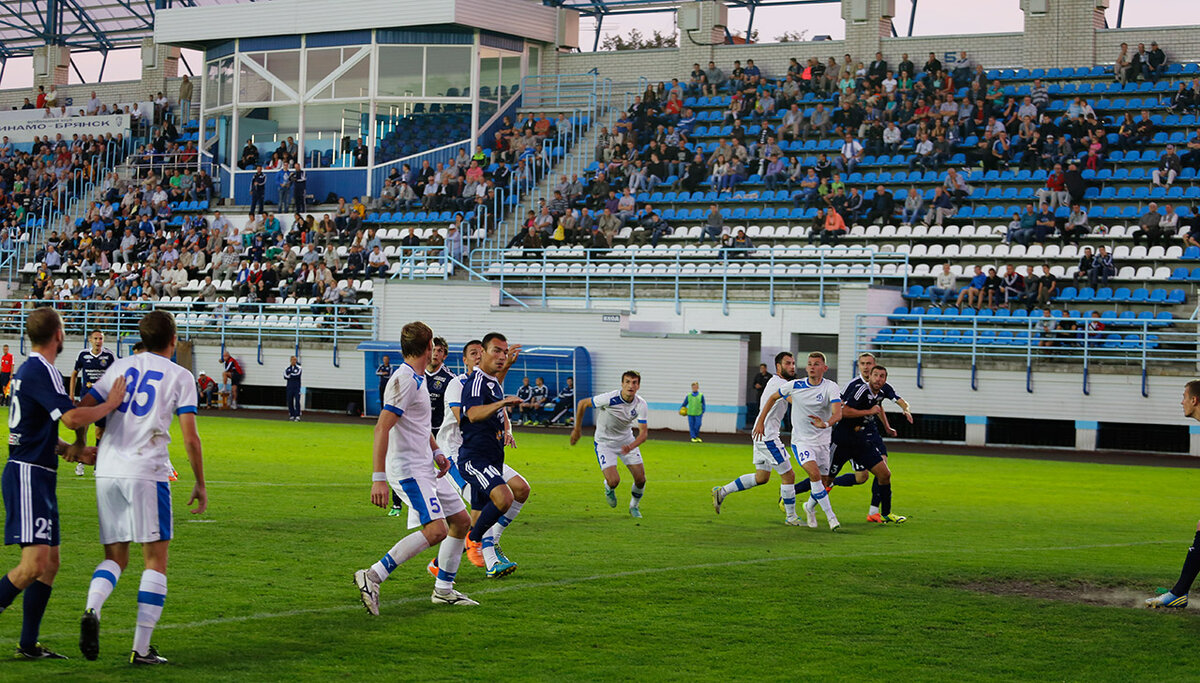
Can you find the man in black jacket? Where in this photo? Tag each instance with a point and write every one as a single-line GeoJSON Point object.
{"type": "Point", "coordinates": [883, 205]}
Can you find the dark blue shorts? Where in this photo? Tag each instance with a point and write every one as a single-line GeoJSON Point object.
{"type": "Point", "coordinates": [30, 504]}
{"type": "Point", "coordinates": [483, 476]}
{"type": "Point", "coordinates": [863, 450]}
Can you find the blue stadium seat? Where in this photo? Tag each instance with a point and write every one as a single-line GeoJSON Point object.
{"type": "Point", "coordinates": [1176, 296]}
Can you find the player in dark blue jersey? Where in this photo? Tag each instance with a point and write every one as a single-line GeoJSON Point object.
{"type": "Point", "coordinates": [39, 402]}
{"type": "Point", "coordinates": [90, 365]}
{"type": "Point", "coordinates": [484, 423]}
{"type": "Point", "coordinates": [858, 441]}
{"type": "Point", "coordinates": [293, 375]}
{"type": "Point", "coordinates": [437, 378]}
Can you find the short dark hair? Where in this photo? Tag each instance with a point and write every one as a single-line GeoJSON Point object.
{"type": "Point", "coordinates": [879, 367]}
{"type": "Point", "coordinates": [491, 337]}
{"type": "Point", "coordinates": [95, 330]}
{"type": "Point", "coordinates": [157, 329]}
{"type": "Point", "coordinates": [780, 356]}
{"type": "Point", "coordinates": [440, 342]}
{"type": "Point", "coordinates": [1193, 388]}
{"type": "Point", "coordinates": [473, 342]}
{"type": "Point", "coordinates": [632, 373]}
{"type": "Point", "coordinates": [42, 324]}
{"type": "Point", "coordinates": [414, 339]}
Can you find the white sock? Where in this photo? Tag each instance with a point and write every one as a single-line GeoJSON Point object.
{"type": "Point", "coordinates": [635, 495]}
{"type": "Point", "coordinates": [821, 496]}
{"type": "Point", "coordinates": [151, 594]}
{"type": "Point", "coordinates": [449, 557]}
{"type": "Point", "coordinates": [505, 519]}
{"type": "Point", "coordinates": [788, 493]}
{"type": "Point", "coordinates": [746, 481]}
{"type": "Point", "coordinates": [409, 547]}
{"type": "Point", "coordinates": [488, 546]}
{"type": "Point", "coordinates": [873, 510]}
{"type": "Point", "coordinates": [104, 580]}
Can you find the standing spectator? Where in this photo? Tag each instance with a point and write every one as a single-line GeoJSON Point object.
{"type": "Point", "coordinates": [185, 100]}
{"type": "Point", "coordinates": [760, 383]}
{"type": "Point", "coordinates": [6, 369]}
{"type": "Point", "coordinates": [944, 286]}
{"type": "Point", "coordinates": [300, 188]}
{"type": "Point", "coordinates": [693, 407]}
{"type": "Point", "coordinates": [291, 375]}
{"type": "Point", "coordinates": [232, 378]}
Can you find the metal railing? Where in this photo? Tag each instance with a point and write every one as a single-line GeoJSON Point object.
{"type": "Point", "coordinates": [223, 321]}
{"type": "Point", "coordinates": [435, 156]}
{"type": "Point", "coordinates": [726, 275]}
{"type": "Point", "coordinates": [1134, 345]}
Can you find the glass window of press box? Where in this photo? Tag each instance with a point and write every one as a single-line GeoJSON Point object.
{"type": "Point", "coordinates": [388, 94]}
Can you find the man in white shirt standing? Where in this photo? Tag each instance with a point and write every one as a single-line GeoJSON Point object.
{"type": "Point", "coordinates": [816, 408]}
{"type": "Point", "coordinates": [133, 472]}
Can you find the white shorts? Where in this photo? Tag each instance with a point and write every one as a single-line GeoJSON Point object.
{"type": "Point", "coordinates": [608, 455]}
{"type": "Point", "coordinates": [770, 454]}
{"type": "Point", "coordinates": [818, 452]}
{"type": "Point", "coordinates": [133, 510]}
{"type": "Point", "coordinates": [428, 497]}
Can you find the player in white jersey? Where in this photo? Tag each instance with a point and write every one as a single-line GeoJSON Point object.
{"type": "Point", "coordinates": [770, 453]}
{"type": "Point", "coordinates": [816, 407]}
{"type": "Point", "coordinates": [616, 413]}
{"type": "Point", "coordinates": [450, 443]}
{"type": "Point", "coordinates": [407, 459]}
{"type": "Point", "coordinates": [133, 472]}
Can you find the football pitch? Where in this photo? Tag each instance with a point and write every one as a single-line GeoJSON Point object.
{"type": "Point", "coordinates": [1007, 569]}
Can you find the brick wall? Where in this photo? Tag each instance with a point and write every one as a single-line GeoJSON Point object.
{"type": "Point", "coordinates": [993, 50]}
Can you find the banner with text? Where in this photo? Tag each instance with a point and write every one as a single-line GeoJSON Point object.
{"type": "Point", "coordinates": [26, 131]}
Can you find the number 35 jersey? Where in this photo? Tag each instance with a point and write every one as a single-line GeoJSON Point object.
{"type": "Point", "coordinates": [138, 431]}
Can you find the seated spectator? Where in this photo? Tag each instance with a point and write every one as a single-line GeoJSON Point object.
{"type": "Point", "coordinates": [657, 227]}
{"type": "Point", "coordinates": [883, 206]}
{"type": "Point", "coordinates": [1192, 237]}
{"type": "Point", "coordinates": [943, 287]}
{"type": "Point", "coordinates": [1169, 168]}
{"type": "Point", "coordinates": [1076, 226]}
{"type": "Point", "coordinates": [1013, 286]}
{"type": "Point", "coordinates": [1047, 329]}
{"type": "Point", "coordinates": [851, 155]}
{"type": "Point", "coordinates": [913, 206]}
{"type": "Point", "coordinates": [1156, 64]}
{"type": "Point", "coordinates": [1054, 194]}
{"type": "Point", "coordinates": [1169, 224]}
{"type": "Point", "coordinates": [1022, 227]}
{"type": "Point", "coordinates": [714, 225]}
{"type": "Point", "coordinates": [738, 246]}
{"type": "Point", "coordinates": [832, 229]}
{"type": "Point", "coordinates": [1044, 227]}
{"type": "Point", "coordinates": [1102, 268]}
{"type": "Point", "coordinates": [1047, 286]}
{"type": "Point", "coordinates": [377, 263]}
{"type": "Point", "coordinates": [1084, 268]}
{"type": "Point", "coordinates": [940, 208]}
{"type": "Point", "coordinates": [1033, 284]}
{"type": "Point", "coordinates": [1150, 228]}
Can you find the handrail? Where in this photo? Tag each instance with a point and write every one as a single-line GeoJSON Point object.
{"type": "Point", "coordinates": [1140, 344]}
{"type": "Point", "coordinates": [643, 276]}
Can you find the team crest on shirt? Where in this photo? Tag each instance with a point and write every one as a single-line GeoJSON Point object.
{"type": "Point", "coordinates": [633, 413]}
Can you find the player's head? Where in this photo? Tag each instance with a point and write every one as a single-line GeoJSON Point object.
{"type": "Point", "coordinates": [539, 381]}
{"type": "Point", "coordinates": [1191, 399]}
{"type": "Point", "coordinates": [695, 386]}
{"type": "Point", "coordinates": [785, 365]}
{"type": "Point", "coordinates": [440, 350]}
{"type": "Point", "coordinates": [631, 381]}
{"type": "Point", "coordinates": [866, 361]}
{"type": "Point", "coordinates": [570, 381]}
{"type": "Point", "coordinates": [525, 381]}
{"type": "Point", "coordinates": [472, 352]}
{"type": "Point", "coordinates": [96, 337]}
{"type": "Point", "coordinates": [157, 329]}
{"type": "Point", "coordinates": [878, 377]}
{"type": "Point", "coordinates": [816, 366]}
{"type": "Point", "coordinates": [416, 343]}
{"type": "Point", "coordinates": [387, 360]}
{"type": "Point", "coordinates": [292, 360]}
{"type": "Point", "coordinates": [44, 328]}
{"type": "Point", "coordinates": [495, 352]}
{"type": "Point", "coordinates": [6, 348]}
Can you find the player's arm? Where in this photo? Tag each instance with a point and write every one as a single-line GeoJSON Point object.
{"type": "Point", "coordinates": [509, 439]}
{"type": "Point", "coordinates": [439, 458]}
{"type": "Point", "coordinates": [906, 408]}
{"type": "Point", "coordinates": [379, 486]}
{"type": "Point", "coordinates": [71, 384]}
{"type": "Point", "coordinates": [191, 444]}
{"type": "Point", "coordinates": [513, 352]}
{"type": "Point", "coordinates": [88, 412]}
{"type": "Point", "coordinates": [760, 423]}
{"type": "Point", "coordinates": [482, 412]}
{"type": "Point", "coordinates": [851, 411]}
{"type": "Point", "coordinates": [887, 427]}
{"type": "Point", "coordinates": [580, 411]}
{"type": "Point", "coordinates": [834, 418]}
{"type": "Point", "coordinates": [643, 434]}
{"type": "Point", "coordinates": [703, 405]}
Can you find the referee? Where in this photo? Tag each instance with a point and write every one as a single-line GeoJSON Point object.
{"type": "Point", "coordinates": [1176, 598]}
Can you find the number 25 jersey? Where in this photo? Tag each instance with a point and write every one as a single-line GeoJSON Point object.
{"type": "Point", "coordinates": [138, 431]}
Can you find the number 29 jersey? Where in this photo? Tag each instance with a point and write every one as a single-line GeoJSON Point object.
{"type": "Point", "coordinates": [138, 431]}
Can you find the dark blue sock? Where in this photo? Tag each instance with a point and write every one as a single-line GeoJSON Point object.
{"type": "Point", "coordinates": [8, 592]}
{"type": "Point", "coordinates": [487, 517]}
{"type": "Point", "coordinates": [803, 486]}
{"type": "Point", "coordinates": [846, 480]}
{"type": "Point", "coordinates": [1191, 567]}
{"type": "Point", "coordinates": [875, 492]}
{"type": "Point", "coordinates": [885, 499]}
{"type": "Point", "coordinates": [36, 597]}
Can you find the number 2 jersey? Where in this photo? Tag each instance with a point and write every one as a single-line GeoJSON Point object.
{"type": "Point", "coordinates": [615, 418]}
{"type": "Point", "coordinates": [139, 430]}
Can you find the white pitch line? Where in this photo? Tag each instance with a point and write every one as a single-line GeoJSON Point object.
{"type": "Point", "coordinates": [615, 575]}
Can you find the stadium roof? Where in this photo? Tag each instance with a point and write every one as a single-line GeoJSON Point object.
{"type": "Point", "coordinates": [81, 24]}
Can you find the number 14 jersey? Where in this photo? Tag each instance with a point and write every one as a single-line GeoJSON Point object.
{"type": "Point", "coordinates": [138, 431]}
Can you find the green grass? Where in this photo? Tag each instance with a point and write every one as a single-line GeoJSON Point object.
{"type": "Point", "coordinates": [263, 589]}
